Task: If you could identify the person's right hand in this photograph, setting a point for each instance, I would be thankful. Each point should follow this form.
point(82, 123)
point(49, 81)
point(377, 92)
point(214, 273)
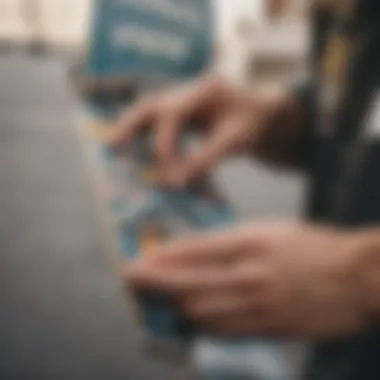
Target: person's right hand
point(227, 116)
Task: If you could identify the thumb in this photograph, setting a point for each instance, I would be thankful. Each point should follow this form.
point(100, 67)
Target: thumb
point(226, 139)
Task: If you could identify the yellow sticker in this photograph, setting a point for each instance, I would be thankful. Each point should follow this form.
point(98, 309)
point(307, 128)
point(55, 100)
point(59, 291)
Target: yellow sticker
point(100, 131)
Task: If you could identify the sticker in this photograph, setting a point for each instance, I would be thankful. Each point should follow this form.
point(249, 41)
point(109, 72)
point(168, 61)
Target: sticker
point(102, 132)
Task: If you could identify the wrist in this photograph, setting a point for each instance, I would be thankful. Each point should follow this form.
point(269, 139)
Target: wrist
point(364, 248)
point(276, 127)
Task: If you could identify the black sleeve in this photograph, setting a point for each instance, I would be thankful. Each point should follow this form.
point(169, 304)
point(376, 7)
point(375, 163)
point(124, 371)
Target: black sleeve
point(305, 92)
point(305, 96)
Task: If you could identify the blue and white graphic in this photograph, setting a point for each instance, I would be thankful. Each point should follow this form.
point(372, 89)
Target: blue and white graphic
point(168, 38)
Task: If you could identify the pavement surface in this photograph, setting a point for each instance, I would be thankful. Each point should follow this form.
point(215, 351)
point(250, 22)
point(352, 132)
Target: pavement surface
point(62, 312)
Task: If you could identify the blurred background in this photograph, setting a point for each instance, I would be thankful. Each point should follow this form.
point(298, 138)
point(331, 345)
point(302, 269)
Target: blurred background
point(62, 314)
point(252, 35)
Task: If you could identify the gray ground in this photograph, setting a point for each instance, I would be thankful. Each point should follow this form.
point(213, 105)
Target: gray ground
point(62, 314)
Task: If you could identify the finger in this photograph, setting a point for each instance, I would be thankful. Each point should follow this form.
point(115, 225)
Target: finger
point(225, 140)
point(142, 114)
point(201, 95)
point(198, 281)
point(239, 297)
point(185, 106)
point(219, 286)
point(246, 325)
point(179, 282)
point(202, 249)
point(134, 120)
point(167, 136)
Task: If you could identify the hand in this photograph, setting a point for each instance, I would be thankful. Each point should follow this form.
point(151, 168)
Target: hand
point(226, 115)
point(278, 279)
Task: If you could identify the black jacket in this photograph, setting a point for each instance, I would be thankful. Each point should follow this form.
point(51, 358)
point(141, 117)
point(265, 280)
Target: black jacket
point(343, 164)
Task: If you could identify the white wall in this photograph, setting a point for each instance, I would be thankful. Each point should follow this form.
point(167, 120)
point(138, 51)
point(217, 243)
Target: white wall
point(230, 11)
point(61, 22)
point(233, 48)
point(65, 22)
point(285, 39)
point(12, 23)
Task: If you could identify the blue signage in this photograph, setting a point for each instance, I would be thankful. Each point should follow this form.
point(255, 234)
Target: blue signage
point(168, 38)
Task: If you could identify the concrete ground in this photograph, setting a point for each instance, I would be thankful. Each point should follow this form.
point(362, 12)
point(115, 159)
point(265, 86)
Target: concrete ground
point(62, 313)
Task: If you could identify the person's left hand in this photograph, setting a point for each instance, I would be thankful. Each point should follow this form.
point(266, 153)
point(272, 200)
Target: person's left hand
point(280, 279)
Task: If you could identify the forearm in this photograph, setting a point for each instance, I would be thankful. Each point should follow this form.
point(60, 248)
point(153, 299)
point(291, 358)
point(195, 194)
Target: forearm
point(279, 140)
point(365, 246)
